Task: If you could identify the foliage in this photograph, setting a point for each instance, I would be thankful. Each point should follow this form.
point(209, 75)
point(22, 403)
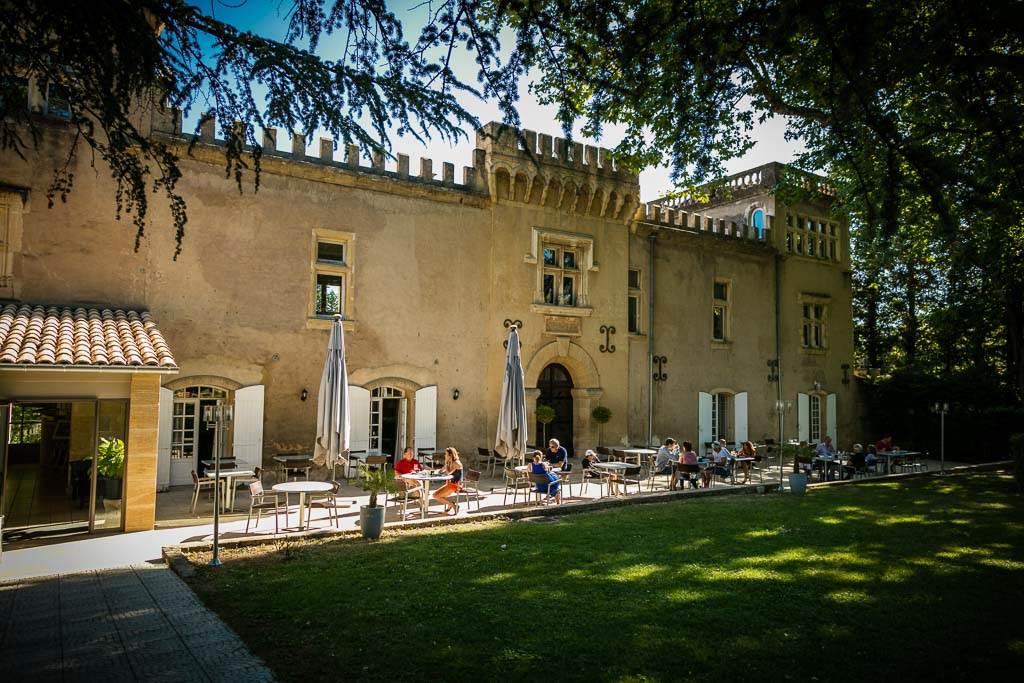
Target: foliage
point(797, 454)
point(110, 458)
point(815, 574)
point(376, 480)
point(1017, 451)
point(545, 414)
point(601, 414)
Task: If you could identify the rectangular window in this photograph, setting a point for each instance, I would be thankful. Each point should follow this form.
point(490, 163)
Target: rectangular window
point(811, 241)
point(549, 288)
point(813, 333)
point(789, 242)
point(58, 103)
point(799, 243)
point(560, 278)
point(568, 291)
point(331, 261)
point(720, 417)
point(26, 424)
point(634, 283)
point(330, 291)
point(720, 311)
point(815, 410)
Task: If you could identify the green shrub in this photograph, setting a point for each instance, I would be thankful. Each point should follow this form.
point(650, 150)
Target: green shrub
point(110, 458)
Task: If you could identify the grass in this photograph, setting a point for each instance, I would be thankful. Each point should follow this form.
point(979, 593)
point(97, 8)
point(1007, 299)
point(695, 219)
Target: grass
point(922, 578)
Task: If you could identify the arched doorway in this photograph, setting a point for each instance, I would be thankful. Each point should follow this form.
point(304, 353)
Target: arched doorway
point(555, 385)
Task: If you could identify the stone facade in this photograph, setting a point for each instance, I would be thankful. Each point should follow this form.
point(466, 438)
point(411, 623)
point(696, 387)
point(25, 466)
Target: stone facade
point(433, 271)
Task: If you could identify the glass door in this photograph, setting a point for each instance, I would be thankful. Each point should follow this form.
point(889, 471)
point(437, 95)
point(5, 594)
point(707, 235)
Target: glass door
point(184, 434)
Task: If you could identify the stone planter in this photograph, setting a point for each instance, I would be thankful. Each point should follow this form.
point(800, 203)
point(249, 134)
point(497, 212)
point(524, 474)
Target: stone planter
point(798, 483)
point(371, 521)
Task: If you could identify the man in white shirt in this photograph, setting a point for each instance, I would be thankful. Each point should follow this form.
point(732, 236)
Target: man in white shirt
point(825, 449)
point(720, 456)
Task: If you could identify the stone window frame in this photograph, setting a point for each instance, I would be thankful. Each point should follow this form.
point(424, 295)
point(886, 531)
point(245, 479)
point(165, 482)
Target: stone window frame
point(13, 206)
point(814, 238)
point(584, 246)
point(722, 399)
point(345, 270)
point(814, 413)
point(636, 293)
point(822, 322)
point(726, 306)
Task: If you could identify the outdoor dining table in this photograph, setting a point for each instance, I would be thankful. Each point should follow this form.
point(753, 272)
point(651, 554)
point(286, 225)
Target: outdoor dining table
point(738, 459)
point(224, 462)
point(636, 454)
point(426, 478)
point(301, 488)
point(828, 460)
point(229, 485)
point(891, 456)
point(295, 462)
point(612, 467)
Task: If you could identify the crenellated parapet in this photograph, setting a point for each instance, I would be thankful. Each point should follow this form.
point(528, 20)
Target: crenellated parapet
point(168, 122)
point(551, 172)
point(760, 180)
point(658, 216)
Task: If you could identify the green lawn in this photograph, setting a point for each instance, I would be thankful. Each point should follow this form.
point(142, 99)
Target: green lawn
point(916, 579)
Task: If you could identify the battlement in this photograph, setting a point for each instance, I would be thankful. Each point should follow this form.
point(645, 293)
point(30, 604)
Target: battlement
point(527, 145)
point(671, 218)
point(168, 122)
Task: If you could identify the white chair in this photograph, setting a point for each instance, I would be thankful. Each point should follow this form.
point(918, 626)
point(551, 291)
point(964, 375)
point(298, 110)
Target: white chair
point(262, 501)
point(200, 483)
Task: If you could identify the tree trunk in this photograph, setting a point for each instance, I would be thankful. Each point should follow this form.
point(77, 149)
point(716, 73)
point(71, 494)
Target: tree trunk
point(913, 324)
point(1014, 297)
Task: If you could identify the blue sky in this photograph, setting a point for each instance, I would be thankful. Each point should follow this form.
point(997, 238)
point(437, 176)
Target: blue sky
point(267, 18)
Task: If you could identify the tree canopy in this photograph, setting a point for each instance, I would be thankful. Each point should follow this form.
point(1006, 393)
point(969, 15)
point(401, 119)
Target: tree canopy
point(912, 109)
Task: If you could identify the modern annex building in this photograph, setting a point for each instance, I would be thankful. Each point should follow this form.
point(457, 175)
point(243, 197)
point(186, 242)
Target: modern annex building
point(669, 314)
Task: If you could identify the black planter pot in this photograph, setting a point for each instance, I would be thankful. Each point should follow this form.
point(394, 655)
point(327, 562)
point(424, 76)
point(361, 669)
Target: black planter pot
point(111, 488)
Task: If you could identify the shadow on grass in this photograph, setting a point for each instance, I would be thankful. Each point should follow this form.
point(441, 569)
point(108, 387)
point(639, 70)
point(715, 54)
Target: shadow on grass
point(918, 578)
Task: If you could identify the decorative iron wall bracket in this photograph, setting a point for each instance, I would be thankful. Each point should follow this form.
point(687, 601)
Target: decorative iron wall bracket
point(773, 370)
point(507, 323)
point(659, 374)
point(607, 331)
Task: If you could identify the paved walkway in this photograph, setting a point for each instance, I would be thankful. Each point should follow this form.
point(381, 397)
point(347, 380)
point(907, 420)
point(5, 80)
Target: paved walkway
point(139, 623)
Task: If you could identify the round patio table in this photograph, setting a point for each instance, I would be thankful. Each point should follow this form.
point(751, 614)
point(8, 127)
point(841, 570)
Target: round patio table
point(426, 478)
point(301, 488)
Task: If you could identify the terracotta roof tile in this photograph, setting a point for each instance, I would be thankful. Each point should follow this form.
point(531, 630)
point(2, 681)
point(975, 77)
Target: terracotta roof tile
point(38, 335)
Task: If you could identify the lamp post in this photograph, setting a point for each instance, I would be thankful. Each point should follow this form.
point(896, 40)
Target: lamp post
point(782, 407)
point(217, 418)
point(941, 409)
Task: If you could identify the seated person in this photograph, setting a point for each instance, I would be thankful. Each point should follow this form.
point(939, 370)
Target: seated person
point(557, 456)
point(667, 454)
point(452, 466)
point(884, 444)
point(824, 448)
point(587, 463)
point(857, 462)
point(686, 457)
point(747, 450)
point(408, 464)
point(870, 458)
point(553, 487)
point(720, 456)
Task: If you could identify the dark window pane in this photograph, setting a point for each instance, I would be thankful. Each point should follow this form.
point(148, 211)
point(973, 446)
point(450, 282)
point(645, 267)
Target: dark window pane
point(789, 241)
point(568, 298)
point(550, 257)
point(807, 335)
point(328, 294)
point(634, 278)
point(57, 101)
point(329, 251)
point(789, 219)
point(721, 291)
point(810, 246)
point(569, 260)
point(634, 315)
point(549, 288)
point(718, 323)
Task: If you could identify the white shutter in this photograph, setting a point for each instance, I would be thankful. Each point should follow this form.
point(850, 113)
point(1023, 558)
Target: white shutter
point(803, 417)
point(249, 427)
point(830, 418)
point(739, 403)
point(163, 459)
point(359, 415)
point(403, 418)
point(426, 418)
point(704, 416)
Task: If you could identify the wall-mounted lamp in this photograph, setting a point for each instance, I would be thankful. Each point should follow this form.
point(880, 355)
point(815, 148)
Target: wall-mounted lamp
point(455, 394)
point(817, 385)
point(303, 395)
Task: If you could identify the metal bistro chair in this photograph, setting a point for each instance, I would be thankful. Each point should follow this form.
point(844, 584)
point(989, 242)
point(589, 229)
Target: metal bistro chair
point(598, 477)
point(605, 451)
point(264, 501)
point(200, 483)
point(653, 475)
point(329, 502)
point(490, 458)
point(687, 473)
point(565, 476)
point(516, 481)
point(470, 487)
point(352, 463)
point(540, 480)
point(629, 476)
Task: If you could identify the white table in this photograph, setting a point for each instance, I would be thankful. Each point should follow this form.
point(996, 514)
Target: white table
point(229, 486)
point(301, 488)
point(638, 453)
point(426, 478)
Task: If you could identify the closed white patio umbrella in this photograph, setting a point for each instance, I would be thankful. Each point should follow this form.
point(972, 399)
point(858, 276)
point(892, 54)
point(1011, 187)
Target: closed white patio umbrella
point(332, 407)
point(512, 437)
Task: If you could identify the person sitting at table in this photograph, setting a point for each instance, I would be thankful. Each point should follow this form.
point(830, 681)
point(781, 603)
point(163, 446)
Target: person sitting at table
point(884, 444)
point(857, 462)
point(686, 457)
point(870, 458)
point(720, 456)
point(667, 454)
point(452, 466)
point(587, 464)
point(408, 464)
point(553, 487)
point(824, 448)
point(557, 456)
point(747, 450)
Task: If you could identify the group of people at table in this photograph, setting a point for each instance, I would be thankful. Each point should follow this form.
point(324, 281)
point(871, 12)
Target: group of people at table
point(719, 462)
point(859, 458)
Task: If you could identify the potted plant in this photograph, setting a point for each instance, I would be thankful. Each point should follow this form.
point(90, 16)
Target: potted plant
point(110, 467)
point(801, 454)
point(545, 415)
point(371, 517)
point(601, 415)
